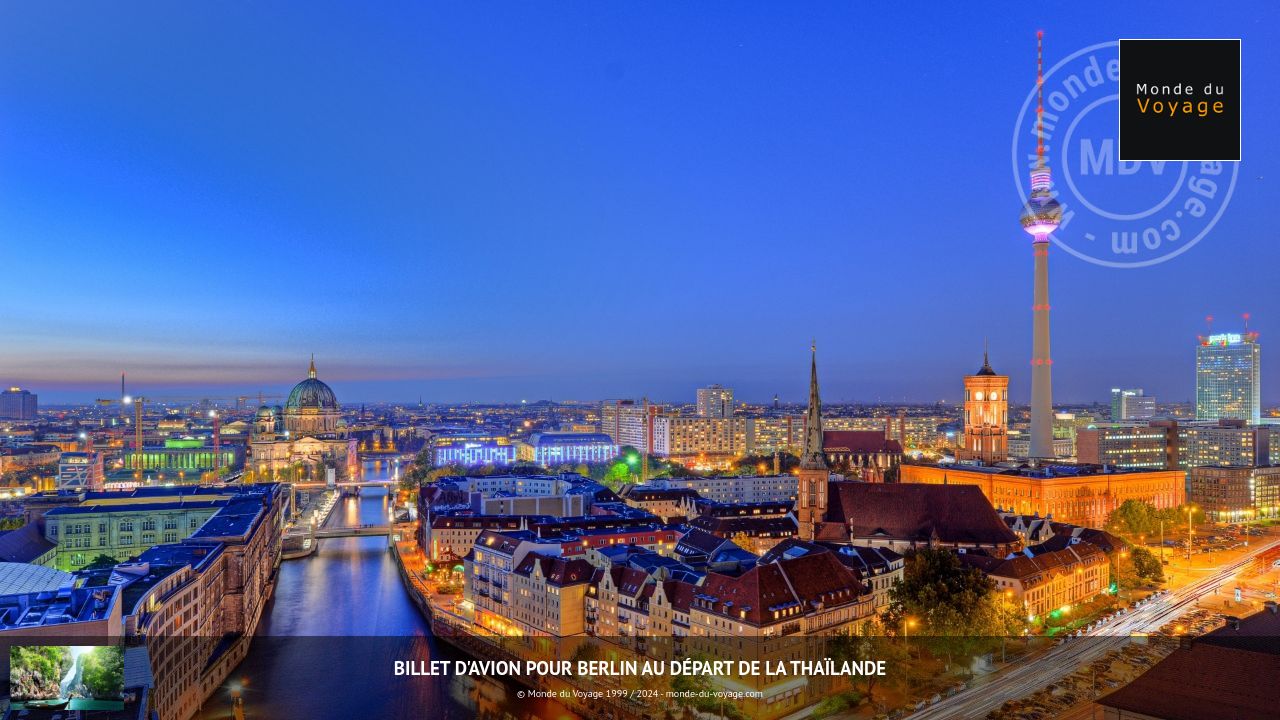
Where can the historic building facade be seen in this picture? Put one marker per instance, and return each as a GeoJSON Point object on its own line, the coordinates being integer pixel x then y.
{"type": "Point", "coordinates": [306, 432]}
{"type": "Point", "coordinates": [986, 416]}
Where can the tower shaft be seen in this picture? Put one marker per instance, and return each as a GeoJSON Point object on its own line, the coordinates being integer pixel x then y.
{"type": "Point", "coordinates": [1041, 362]}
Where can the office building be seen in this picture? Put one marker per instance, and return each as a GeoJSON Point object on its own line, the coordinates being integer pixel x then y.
{"type": "Point", "coordinates": [1226, 442]}
{"type": "Point", "coordinates": [630, 424]}
{"type": "Point", "coordinates": [1128, 445]}
{"type": "Point", "coordinates": [1228, 377]}
{"type": "Point", "coordinates": [1127, 405]}
{"type": "Point", "coordinates": [1234, 493]}
{"type": "Point", "coordinates": [700, 440]}
{"type": "Point", "coordinates": [768, 435]}
{"type": "Point", "coordinates": [18, 404]}
{"type": "Point", "coordinates": [715, 402]}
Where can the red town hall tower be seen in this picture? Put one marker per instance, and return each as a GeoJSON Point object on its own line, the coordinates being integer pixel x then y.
{"type": "Point", "coordinates": [986, 416]}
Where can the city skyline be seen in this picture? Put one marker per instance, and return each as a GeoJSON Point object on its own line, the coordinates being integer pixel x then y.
{"type": "Point", "coordinates": [410, 230]}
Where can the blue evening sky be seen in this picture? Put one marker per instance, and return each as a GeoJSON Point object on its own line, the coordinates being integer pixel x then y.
{"type": "Point", "coordinates": [496, 201]}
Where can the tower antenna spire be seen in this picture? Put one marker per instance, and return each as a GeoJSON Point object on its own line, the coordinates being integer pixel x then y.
{"type": "Point", "coordinates": [1039, 98]}
{"type": "Point", "coordinates": [1246, 323]}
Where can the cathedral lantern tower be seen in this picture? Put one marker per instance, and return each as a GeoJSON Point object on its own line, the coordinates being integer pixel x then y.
{"type": "Point", "coordinates": [813, 475]}
{"type": "Point", "coordinates": [986, 416]}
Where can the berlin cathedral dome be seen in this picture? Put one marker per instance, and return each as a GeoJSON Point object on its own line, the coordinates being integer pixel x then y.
{"type": "Point", "coordinates": [312, 408]}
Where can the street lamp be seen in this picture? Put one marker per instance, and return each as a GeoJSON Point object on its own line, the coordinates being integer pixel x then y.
{"type": "Point", "coordinates": [1190, 533]}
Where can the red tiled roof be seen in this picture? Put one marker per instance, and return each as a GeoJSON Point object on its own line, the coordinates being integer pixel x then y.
{"type": "Point", "coordinates": [795, 582]}
{"type": "Point", "coordinates": [858, 441]}
{"type": "Point", "coordinates": [1027, 569]}
{"type": "Point", "coordinates": [1204, 682]}
{"type": "Point", "coordinates": [679, 594]}
{"type": "Point", "coordinates": [557, 570]}
{"type": "Point", "coordinates": [917, 512]}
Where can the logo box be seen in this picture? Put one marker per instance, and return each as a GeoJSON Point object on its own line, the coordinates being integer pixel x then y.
{"type": "Point", "coordinates": [1179, 100]}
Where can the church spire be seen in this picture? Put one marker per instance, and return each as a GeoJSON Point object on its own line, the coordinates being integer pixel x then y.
{"type": "Point", "coordinates": [311, 373]}
{"type": "Point", "coordinates": [813, 458]}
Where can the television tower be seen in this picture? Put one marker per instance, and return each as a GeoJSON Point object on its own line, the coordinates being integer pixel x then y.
{"type": "Point", "coordinates": [1040, 217]}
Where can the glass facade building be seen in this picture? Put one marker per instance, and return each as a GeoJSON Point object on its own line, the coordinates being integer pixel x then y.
{"type": "Point", "coordinates": [1228, 378]}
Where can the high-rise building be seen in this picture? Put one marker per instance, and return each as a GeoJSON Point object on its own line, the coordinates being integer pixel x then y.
{"type": "Point", "coordinates": [1131, 404]}
{"type": "Point", "coordinates": [1228, 374]}
{"type": "Point", "coordinates": [813, 475]}
{"type": "Point", "coordinates": [1226, 442]}
{"type": "Point", "coordinates": [986, 415]}
{"type": "Point", "coordinates": [1040, 217]}
{"type": "Point", "coordinates": [630, 423]}
{"type": "Point", "coordinates": [17, 404]}
{"type": "Point", "coordinates": [1128, 445]}
{"type": "Point", "coordinates": [715, 402]}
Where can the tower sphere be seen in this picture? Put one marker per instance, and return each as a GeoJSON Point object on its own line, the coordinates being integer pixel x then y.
{"type": "Point", "coordinates": [1041, 215]}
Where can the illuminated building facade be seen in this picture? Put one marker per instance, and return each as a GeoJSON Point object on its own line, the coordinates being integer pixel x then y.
{"type": "Point", "coordinates": [472, 450]}
{"type": "Point", "coordinates": [1226, 442]}
{"type": "Point", "coordinates": [1132, 404]}
{"type": "Point", "coordinates": [1266, 491]}
{"type": "Point", "coordinates": [1234, 493]}
{"type": "Point", "coordinates": [190, 456]}
{"type": "Point", "coordinates": [630, 423]}
{"type": "Point", "coordinates": [306, 433]}
{"type": "Point", "coordinates": [1128, 445]}
{"type": "Point", "coordinates": [1228, 377]}
{"type": "Point", "coordinates": [1072, 493]}
{"type": "Point", "coordinates": [80, 471]}
{"type": "Point", "coordinates": [18, 404]}
{"type": "Point", "coordinates": [715, 402]}
{"type": "Point", "coordinates": [558, 448]}
{"type": "Point", "coordinates": [1046, 582]}
{"type": "Point", "coordinates": [733, 488]}
{"type": "Point", "coordinates": [548, 595]}
{"type": "Point", "coordinates": [688, 437]}
{"type": "Point", "coordinates": [312, 409]}
{"type": "Point", "coordinates": [775, 434]}
{"type": "Point", "coordinates": [986, 416]}
{"type": "Point", "coordinates": [123, 524]}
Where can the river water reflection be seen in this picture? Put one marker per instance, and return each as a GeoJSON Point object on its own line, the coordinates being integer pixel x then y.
{"type": "Point", "coordinates": [334, 627]}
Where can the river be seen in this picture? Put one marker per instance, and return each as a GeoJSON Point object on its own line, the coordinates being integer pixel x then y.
{"type": "Point", "coordinates": [337, 621]}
